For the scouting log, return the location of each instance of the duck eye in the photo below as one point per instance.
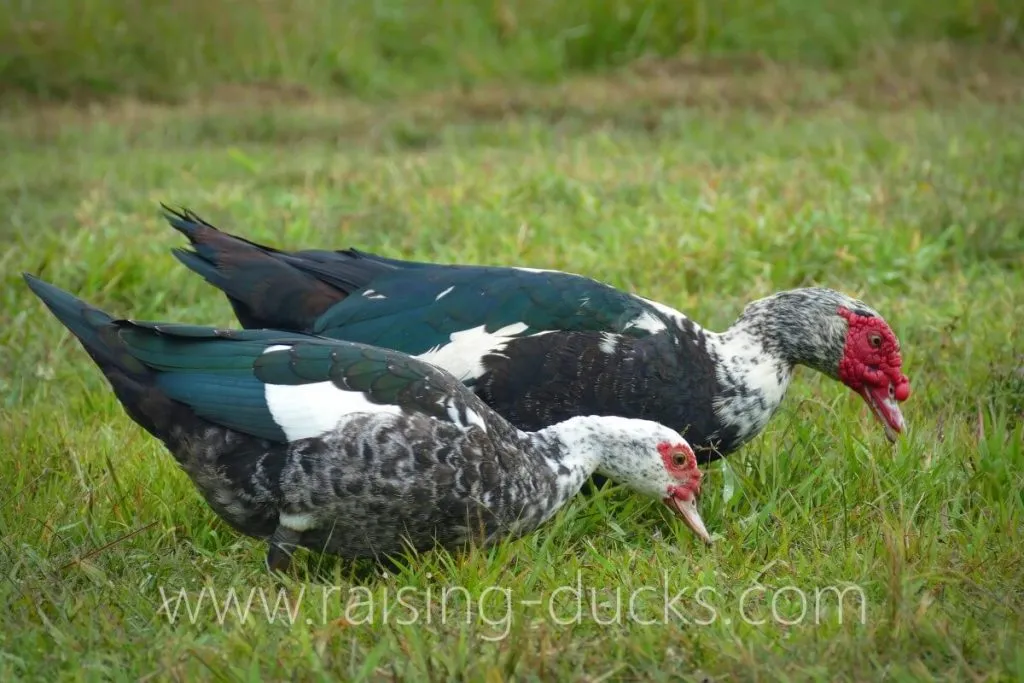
(875, 340)
(678, 459)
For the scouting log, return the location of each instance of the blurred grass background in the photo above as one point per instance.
(170, 49)
(701, 154)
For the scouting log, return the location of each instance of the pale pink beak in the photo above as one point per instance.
(687, 509)
(882, 401)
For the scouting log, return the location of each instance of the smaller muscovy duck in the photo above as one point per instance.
(541, 346)
(356, 450)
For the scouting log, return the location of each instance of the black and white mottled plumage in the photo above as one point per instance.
(353, 449)
(542, 346)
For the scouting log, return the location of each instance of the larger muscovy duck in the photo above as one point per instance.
(541, 346)
(356, 450)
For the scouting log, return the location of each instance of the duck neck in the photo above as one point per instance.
(755, 357)
(577, 448)
(752, 379)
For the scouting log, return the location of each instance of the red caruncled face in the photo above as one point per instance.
(871, 366)
(681, 498)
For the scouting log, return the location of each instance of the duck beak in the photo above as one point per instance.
(687, 509)
(883, 404)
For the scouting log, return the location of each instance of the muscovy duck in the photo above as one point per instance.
(357, 450)
(541, 346)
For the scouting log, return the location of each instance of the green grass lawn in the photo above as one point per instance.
(704, 190)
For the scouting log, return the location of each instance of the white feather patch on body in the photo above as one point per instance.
(303, 521)
(373, 294)
(476, 419)
(463, 355)
(444, 293)
(472, 417)
(608, 342)
(304, 411)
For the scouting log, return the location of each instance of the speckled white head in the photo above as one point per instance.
(646, 456)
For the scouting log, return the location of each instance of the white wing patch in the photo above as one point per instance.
(444, 293)
(668, 311)
(648, 322)
(463, 354)
(373, 294)
(303, 411)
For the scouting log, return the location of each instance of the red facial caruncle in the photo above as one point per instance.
(681, 464)
(871, 366)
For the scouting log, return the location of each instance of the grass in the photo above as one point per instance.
(166, 50)
(899, 182)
